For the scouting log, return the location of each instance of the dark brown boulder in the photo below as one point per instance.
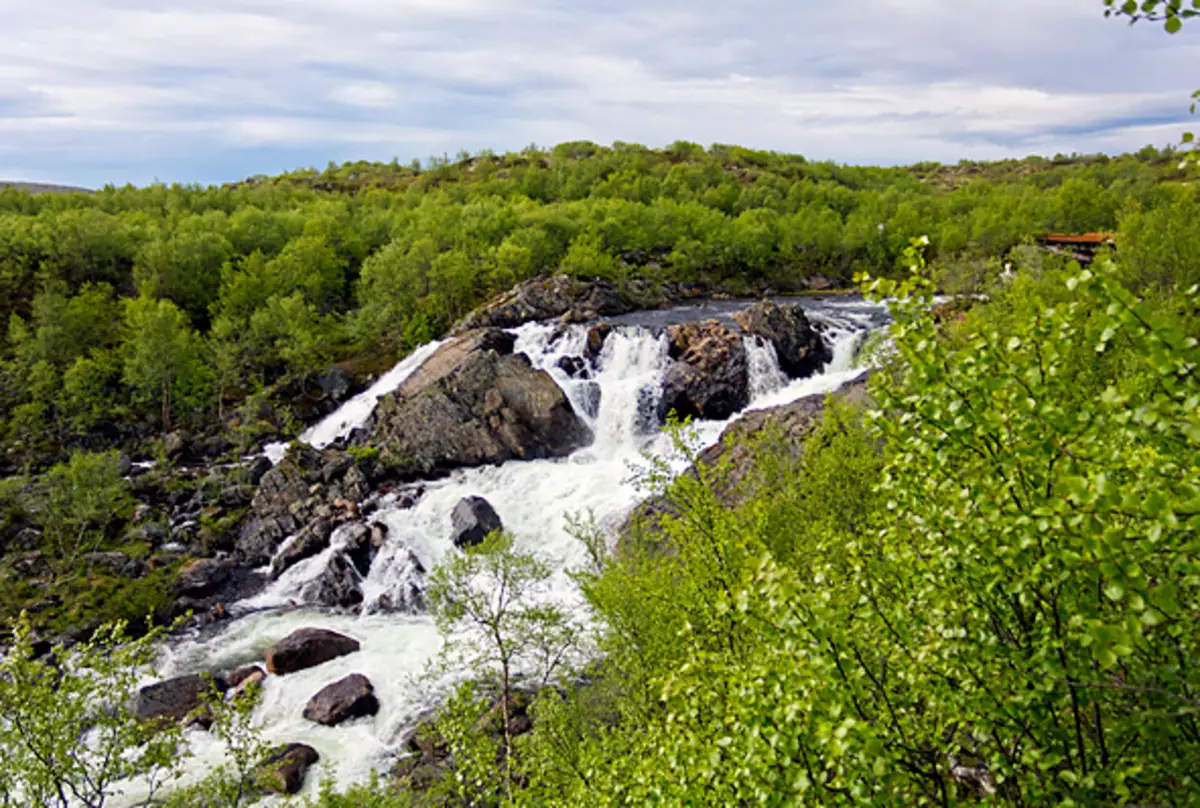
(596, 337)
(285, 766)
(307, 648)
(475, 403)
(800, 349)
(176, 699)
(711, 377)
(352, 697)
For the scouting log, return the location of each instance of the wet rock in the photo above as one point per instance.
(176, 699)
(311, 540)
(547, 298)
(336, 384)
(475, 403)
(801, 350)
(406, 593)
(588, 397)
(352, 697)
(339, 586)
(596, 337)
(710, 378)
(307, 648)
(302, 490)
(203, 577)
(574, 366)
(124, 465)
(361, 545)
(285, 767)
(472, 520)
(239, 676)
(257, 470)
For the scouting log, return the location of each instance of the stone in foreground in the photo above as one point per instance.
(352, 697)
(307, 648)
(285, 766)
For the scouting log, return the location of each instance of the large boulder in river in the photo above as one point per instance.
(474, 403)
(339, 586)
(203, 576)
(175, 699)
(307, 648)
(710, 378)
(546, 299)
(285, 766)
(801, 350)
(472, 520)
(352, 697)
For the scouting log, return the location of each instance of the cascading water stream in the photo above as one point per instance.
(535, 500)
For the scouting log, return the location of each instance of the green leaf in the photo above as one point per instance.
(1173, 25)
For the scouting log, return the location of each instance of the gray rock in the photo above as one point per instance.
(472, 520)
(339, 586)
(203, 577)
(307, 648)
(336, 384)
(475, 403)
(312, 539)
(352, 697)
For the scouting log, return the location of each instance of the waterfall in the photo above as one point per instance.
(615, 392)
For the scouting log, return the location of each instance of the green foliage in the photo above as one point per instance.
(277, 277)
(486, 600)
(163, 359)
(79, 501)
(67, 737)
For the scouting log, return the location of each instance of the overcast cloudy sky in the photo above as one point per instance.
(99, 91)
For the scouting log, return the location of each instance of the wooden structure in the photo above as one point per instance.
(1080, 246)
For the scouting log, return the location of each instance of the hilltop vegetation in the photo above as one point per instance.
(133, 311)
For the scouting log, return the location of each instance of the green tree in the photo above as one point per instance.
(67, 733)
(77, 502)
(487, 601)
(163, 361)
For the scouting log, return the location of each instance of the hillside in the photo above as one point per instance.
(41, 188)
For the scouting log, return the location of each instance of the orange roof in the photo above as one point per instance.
(1078, 238)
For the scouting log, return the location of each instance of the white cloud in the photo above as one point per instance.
(223, 82)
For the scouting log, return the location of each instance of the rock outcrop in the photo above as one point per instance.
(309, 491)
(339, 586)
(307, 648)
(474, 403)
(545, 299)
(472, 520)
(794, 423)
(284, 769)
(352, 697)
(710, 377)
(801, 350)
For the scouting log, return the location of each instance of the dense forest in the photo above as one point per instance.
(131, 312)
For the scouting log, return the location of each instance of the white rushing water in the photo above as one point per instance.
(535, 500)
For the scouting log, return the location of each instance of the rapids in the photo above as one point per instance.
(535, 500)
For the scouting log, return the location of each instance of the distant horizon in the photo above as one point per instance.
(425, 163)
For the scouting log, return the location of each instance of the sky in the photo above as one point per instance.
(114, 91)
